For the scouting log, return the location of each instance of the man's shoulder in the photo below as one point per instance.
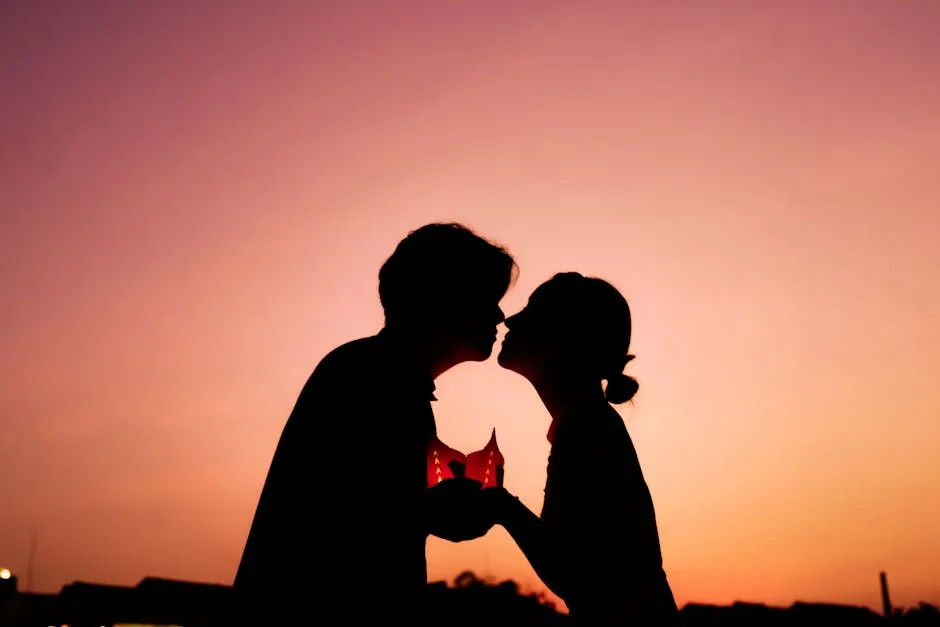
(339, 376)
(366, 367)
(354, 358)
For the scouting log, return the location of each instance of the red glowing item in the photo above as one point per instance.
(485, 466)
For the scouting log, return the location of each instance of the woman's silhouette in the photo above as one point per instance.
(595, 544)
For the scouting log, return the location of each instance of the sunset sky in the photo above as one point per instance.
(196, 197)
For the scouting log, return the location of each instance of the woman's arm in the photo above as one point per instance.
(532, 536)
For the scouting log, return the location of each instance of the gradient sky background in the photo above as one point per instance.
(196, 198)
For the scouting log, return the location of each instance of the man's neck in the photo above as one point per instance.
(418, 348)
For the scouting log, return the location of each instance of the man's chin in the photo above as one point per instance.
(504, 360)
(480, 353)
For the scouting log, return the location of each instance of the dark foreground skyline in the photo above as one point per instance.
(467, 602)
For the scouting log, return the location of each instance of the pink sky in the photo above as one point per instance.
(195, 199)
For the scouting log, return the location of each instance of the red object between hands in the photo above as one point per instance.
(485, 465)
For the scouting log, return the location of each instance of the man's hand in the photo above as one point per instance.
(496, 504)
(455, 511)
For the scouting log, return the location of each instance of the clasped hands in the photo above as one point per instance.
(460, 509)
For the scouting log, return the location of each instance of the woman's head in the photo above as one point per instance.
(572, 327)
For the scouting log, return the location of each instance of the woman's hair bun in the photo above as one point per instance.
(621, 388)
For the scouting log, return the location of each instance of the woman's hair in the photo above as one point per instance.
(602, 318)
(621, 388)
(437, 260)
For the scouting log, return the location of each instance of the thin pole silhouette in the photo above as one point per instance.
(885, 597)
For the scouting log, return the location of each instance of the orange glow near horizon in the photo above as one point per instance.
(196, 199)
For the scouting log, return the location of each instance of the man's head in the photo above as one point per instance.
(444, 283)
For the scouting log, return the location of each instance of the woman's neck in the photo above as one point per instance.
(564, 395)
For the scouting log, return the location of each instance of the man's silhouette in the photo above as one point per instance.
(342, 522)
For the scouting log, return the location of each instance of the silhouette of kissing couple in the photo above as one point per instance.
(343, 518)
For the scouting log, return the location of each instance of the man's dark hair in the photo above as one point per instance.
(437, 260)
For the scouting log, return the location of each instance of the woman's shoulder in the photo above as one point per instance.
(594, 439)
(596, 426)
